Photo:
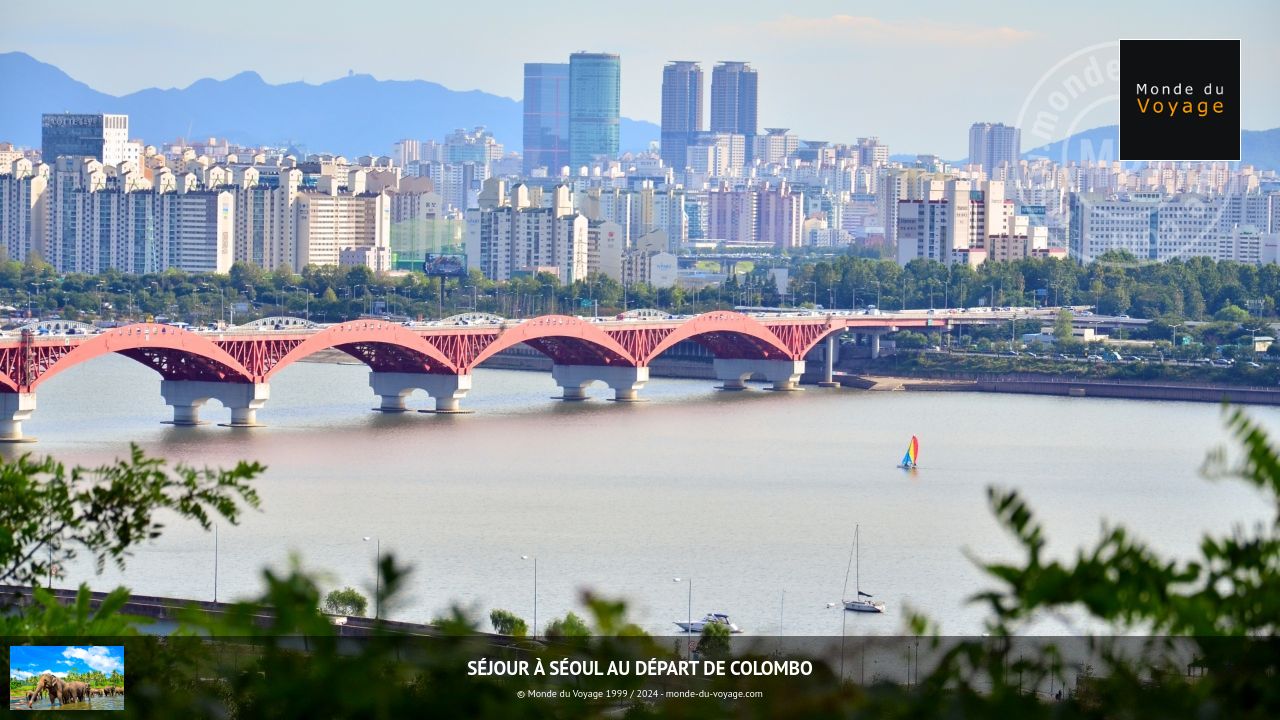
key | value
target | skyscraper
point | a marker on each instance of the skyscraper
(734, 88)
(991, 145)
(595, 81)
(101, 137)
(681, 110)
(546, 116)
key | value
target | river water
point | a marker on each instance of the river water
(754, 496)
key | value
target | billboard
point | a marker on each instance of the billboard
(445, 265)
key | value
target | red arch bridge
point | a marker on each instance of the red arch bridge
(235, 365)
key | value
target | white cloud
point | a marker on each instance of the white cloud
(97, 657)
(25, 674)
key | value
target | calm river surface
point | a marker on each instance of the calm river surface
(753, 495)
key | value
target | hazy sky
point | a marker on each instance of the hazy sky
(914, 73)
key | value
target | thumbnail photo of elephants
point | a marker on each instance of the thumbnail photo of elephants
(66, 677)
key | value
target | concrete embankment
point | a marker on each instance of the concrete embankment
(864, 378)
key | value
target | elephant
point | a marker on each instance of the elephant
(117, 690)
(54, 685)
(76, 691)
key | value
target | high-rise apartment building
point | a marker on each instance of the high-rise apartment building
(1158, 226)
(329, 222)
(22, 211)
(734, 102)
(957, 221)
(681, 110)
(104, 138)
(546, 117)
(595, 82)
(994, 145)
(508, 233)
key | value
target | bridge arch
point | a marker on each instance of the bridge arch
(566, 340)
(175, 353)
(382, 345)
(728, 335)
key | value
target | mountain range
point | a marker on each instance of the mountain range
(344, 115)
(353, 115)
(1259, 148)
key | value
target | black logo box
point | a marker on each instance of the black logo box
(1185, 65)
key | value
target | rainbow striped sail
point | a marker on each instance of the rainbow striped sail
(913, 452)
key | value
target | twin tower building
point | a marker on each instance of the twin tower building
(572, 113)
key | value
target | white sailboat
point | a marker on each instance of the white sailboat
(861, 601)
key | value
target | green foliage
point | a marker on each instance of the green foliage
(1232, 314)
(347, 601)
(1063, 326)
(50, 515)
(570, 626)
(713, 644)
(506, 622)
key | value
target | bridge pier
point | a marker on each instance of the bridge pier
(875, 345)
(14, 409)
(829, 362)
(394, 388)
(188, 396)
(626, 381)
(734, 372)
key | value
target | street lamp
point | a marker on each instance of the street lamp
(688, 627)
(377, 588)
(535, 592)
(815, 293)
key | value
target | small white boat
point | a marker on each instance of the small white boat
(708, 619)
(858, 603)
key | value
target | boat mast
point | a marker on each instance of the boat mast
(857, 578)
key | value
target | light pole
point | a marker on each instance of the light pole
(815, 293)
(535, 592)
(689, 627)
(377, 587)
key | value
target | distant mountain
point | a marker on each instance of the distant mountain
(1259, 148)
(353, 115)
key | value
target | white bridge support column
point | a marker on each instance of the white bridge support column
(875, 345)
(784, 374)
(626, 381)
(829, 362)
(187, 397)
(15, 408)
(394, 388)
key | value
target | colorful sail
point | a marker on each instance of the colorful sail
(913, 452)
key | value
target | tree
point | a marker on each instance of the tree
(347, 601)
(1232, 314)
(570, 626)
(714, 641)
(1063, 325)
(506, 622)
(49, 514)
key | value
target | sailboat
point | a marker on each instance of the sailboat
(858, 603)
(913, 452)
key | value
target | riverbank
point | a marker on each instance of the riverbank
(894, 376)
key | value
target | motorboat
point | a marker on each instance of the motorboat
(709, 619)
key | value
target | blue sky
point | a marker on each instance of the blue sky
(916, 74)
(27, 661)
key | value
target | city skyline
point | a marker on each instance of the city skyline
(815, 61)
